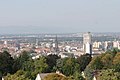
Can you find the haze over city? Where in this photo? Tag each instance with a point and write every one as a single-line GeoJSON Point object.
{"type": "Point", "coordinates": [59, 16]}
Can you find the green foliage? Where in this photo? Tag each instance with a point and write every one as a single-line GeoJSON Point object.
{"type": "Point", "coordinates": [25, 56]}
{"type": "Point", "coordinates": [88, 73]}
{"type": "Point", "coordinates": [19, 75]}
{"type": "Point", "coordinates": [68, 66]}
{"type": "Point", "coordinates": [41, 65]}
{"type": "Point", "coordinates": [107, 60]}
{"type": "Point", "coordinates": [51, 61]}
{"type": "Point", "coordinates": [115, 50]}
{"type": "Point", "coordinates": [20, 61]}
{"type": "Point", "coordinates": [28, 66]}
{"type": "Point", "coordinates": [6, 62]}
{"type": "Point", "coordinates": [31, 67]}
{"type": "Point", "coordinates": [24, 68]}
{"type": "Point", "coordinates": [108, 74]}
{"type": "Point", "coordinates": [77, 76]}
{"type": "Point", "coordinates": [96, 63]}
{"type": "Point", "coordinates": [35, 67]}
{"type": "Point", "coordinates": [83, 61]}
{"type": "Point", "coordinates": [116, 67]}
{"type": "Point", "coordinates": [116, 59]}
{"type": "Point", "coordinates": [116, 62]}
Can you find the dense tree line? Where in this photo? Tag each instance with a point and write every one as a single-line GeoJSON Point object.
{"type": "Point", "coordinates": [105, 66]}
{"type": "Point", "coordinates": [25, 68]}
{"type": "Point", "coordinates": [6, 63]}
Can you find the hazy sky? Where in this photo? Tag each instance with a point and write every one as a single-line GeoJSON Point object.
{"type": "Point", "coordinates": [59, 16]}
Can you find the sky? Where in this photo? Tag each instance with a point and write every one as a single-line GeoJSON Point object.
{"type": "Point", "coordinates": [59, 16]}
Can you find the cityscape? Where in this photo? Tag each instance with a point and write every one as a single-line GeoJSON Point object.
{"type": "Point", "coordinates": [59, 40]}
{"type": "Point", "coordinates": [75, 44]}
{"type": "Point", "coordinates": [62, 45]}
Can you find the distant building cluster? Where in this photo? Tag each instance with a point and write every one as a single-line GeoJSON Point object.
{"type": "Point", "coordinates": [54, 45]}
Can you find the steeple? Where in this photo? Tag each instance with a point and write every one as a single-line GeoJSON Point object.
{"type": "Point", "coordinates": [56, 45]}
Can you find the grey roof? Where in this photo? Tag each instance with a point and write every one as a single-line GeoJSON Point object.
{"type": "Point", "coordinates": [43, 75]}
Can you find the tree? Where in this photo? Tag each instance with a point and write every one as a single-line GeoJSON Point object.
{"type": "Point", "coordinates": [35, 67]}
{"type": "Point", "coordinates": [115, 50]}
{"type": "Point", "coordinates": [107, 60]}
{"type": "Point", "coordinates": [6, 62]}
{"type": "Point", "coordinates": [88, 73]}
{"type": "Point", "coordinates": [31, 67]}
{"type": "Point", "coordinates": [28, 66]}
{"type": "Point", "coordinates": [68, 66]}
{"type": "Point", "coordinates": [51, 61]}
{"type": "Point", "coordinates": [108, 74]}
{"type": "Point", "coordinates": [93, 66]}
{"type": "Point", "coordinates": [20, 61]}
{"type": "Point", "coordinates": [77, 76]}
{"type": "Point", "coordinates": [96, 63]}
{"type": "Point", "coordinates": [116, 67]}
{"type": "Point", "coordinates": [19, 75]}
{"type": "Point", "coordinates": [40, 65]}
{"type": "Point", "coordinates": [83, 61]}
{"type": "Point", "coordinates": [116, 59]}
{"type": "Point", "coordinates": [116, 62]}
{"type": "Point", "coordinates": [110, 61]}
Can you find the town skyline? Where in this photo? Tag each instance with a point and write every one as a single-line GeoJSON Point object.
{"type": "Point", "coordinates": [59, 40]}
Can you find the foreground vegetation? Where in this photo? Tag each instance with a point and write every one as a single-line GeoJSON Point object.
{"type": "Point", "coordinates": [103, 67]}
{"type": "Point", "coordinates": [25, 68]}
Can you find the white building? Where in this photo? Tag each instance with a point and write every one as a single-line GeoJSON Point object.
{"type": "Point", "coordinates": [87, 43]}
{"type": "Point", "coordinates": [88, 48]}
{"type": "Point", "coordinates": [108, 45]}
{"type": "Point", "coordinates": [38, 77]}
{"type": "Point", "coordinates": [115, 44]}
{"type": "Point", "coordinates": [97, 44]}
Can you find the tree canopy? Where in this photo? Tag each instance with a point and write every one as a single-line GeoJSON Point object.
{"type": "Point", "coordinates": [6, 63]}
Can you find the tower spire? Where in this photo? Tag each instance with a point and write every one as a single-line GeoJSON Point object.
{"type": "Point", "coordinates": [56, 44]}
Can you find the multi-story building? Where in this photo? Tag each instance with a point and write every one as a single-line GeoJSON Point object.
{"type": "Point", "coordinates": [87, 43]}
{"type": "Point", "coordinates": [97, 44]}
{"type": "Point", "coordinates": [116, 44]}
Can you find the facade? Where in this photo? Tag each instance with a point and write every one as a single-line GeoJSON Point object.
{"type": "Point", "coordinates": [87, 43]}
{"type": "Point", "coordinates": [97, 45]}
{"type": "Point", "coordinates": [108, 45]}
{"type": "Point", "coordinates": [87, 38]}
{"type": "Point", "coordinates": [88, 48]}
{"type": "Point", "coordinates": [116, 44]}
